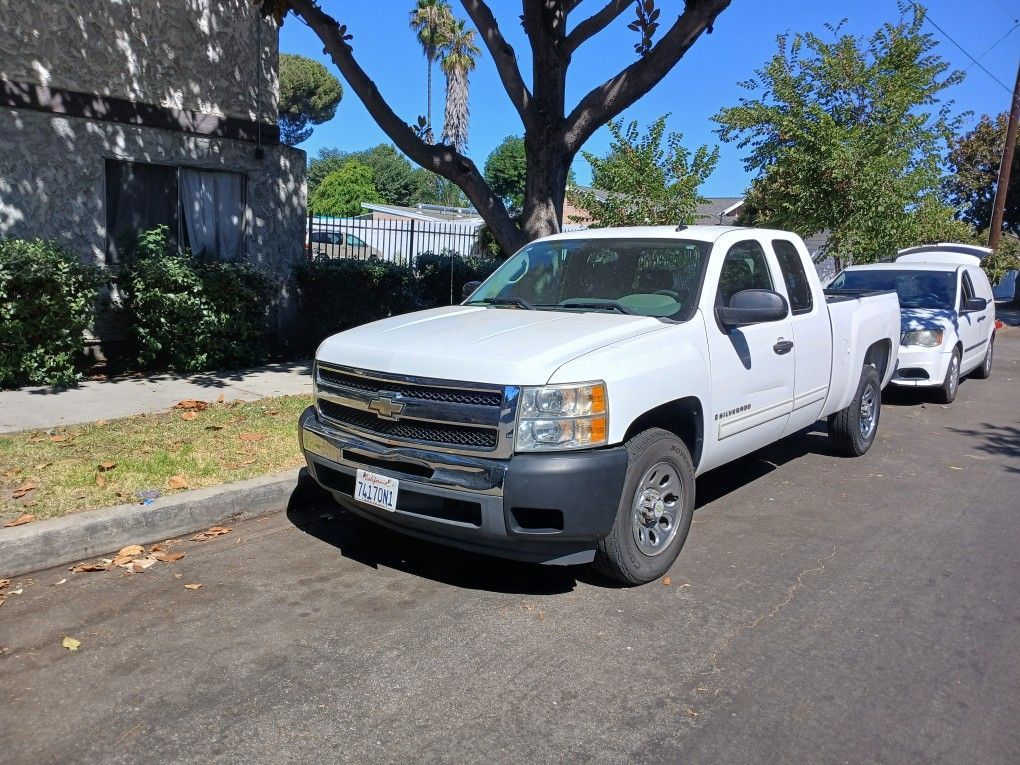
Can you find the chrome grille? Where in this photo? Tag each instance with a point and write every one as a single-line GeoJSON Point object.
{"type": "Point", "coordinates": [446, 415]}
{"type": "Point", "coordinates": [412, 430]}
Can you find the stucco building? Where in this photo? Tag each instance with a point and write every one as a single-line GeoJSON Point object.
{"type": "Point", "coordinates": [119, 115]}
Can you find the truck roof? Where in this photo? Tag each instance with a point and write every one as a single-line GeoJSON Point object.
{"type": "Point", "coordinates": [700, 233]}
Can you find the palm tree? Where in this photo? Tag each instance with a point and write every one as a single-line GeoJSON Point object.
{"type": "Point", "coordinates": [431, 20]}
{"type": "Point", "coordinates": [458, 60]}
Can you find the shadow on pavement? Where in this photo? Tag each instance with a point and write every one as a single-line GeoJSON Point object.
{"type": "Point", "coordinates": [995, 439]}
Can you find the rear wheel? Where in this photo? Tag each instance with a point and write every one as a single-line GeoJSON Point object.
{"type": "Point", "coordinates": [946, 393]}
{"type": "Point", "coordinates": [655, 510]}
{"type": "Point", "coordinates": [984, 371]}
{"type": "Point", "coordinates": [853, 429]}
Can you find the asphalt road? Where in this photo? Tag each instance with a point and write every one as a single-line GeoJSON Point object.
{"type": "Point", "coordinates": [823, 610]}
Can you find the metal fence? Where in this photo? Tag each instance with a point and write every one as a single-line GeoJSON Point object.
{"type": "Point", "coordinates": [395, 241]}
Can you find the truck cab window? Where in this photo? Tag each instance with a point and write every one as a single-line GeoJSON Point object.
{"type": "Point", "coordinates": [744, 268]}
{"type": "Point", "coordinates": [792, 268]}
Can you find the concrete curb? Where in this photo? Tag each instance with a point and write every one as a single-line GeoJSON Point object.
{"type": "Point", "coordinates": [41, 545]}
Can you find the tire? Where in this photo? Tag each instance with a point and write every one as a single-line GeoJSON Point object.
{"type": "Point", "coordinates": [984, 371]}
{"type": "Point", "coordinates": [853, 429]}
{"type": "Point", "coordinates": [946, 393]}
{"type": "Point", "coordinates": [641, 547]}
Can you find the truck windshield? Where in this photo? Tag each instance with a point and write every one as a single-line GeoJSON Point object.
{"type": "Point", "coordinates": [647, 277]}
{"type": "Point", "coordinates": [916, 289]}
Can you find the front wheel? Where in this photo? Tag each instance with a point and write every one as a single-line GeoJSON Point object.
{"type": "Point", "coordinates": [853, 429]}
{"type": "Point", "coordinates": [655, 510]}
{"type": "Point", "coordinates": [946, 392]}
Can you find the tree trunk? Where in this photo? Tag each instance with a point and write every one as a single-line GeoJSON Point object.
{"type": "Point", "coordinates": [546, 185]}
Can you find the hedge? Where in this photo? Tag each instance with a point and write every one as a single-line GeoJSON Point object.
{"type": "Point", "coordinates": [47, 301]}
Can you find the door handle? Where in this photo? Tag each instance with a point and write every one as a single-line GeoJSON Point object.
{"type": "Point", "coordinates": [982, 318]}
{"type": "Point", "coordinates": [783, 346]}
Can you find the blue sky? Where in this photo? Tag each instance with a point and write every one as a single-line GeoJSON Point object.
{"type": "Point", "coordinates": [705, 80]}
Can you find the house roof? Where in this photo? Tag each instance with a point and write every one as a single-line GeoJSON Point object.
{"type": "Point", "coordinates": [427, 212]}
{"type": "Point", "coordinates": [713, 210]}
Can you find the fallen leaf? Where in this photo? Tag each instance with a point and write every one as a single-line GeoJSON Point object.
{"type": "Point", "coordinates": [158, 547]}
{"type": "Point", "coordinates": [250, 461]}
{"type": "Point", "coordinates": [220, 399]}
{"type": "Point", "coordinates": [177, 482]}
{"type": "Point", "coordinates": [192, 586]}
{"type": "Point", "coordinates": [10, 473]}
{"type": "Point", "coordinates": [43, 465]}
{"type": "Point", "coordinates": [4, 583]}
{"type": "Point", "coordinates": [122, 560]}
{"type": "Point", "coordinates": [273, 413]}
{"type": "Point", "coordinates": [100, 480]}
{"type": "Point", "coordinates": [953, 467]}
{"type": "Point", "coordinates": [82, 568]}
{"type": "Point", "coordinates": [252, 436]}
{"type": "Point", "coordinates": [192, 403]}
{"type": "Point", "coordinates": [215, 531]}
{"type": "Point", "coordinates": [104, 466]}
{"type": "Point", "coordinates": [60, 582]}
{"type": "Point", "coordinates": [214, 427]}
{"type": "Point", "coordinates": [21, 520]}
{"type": "Point", "coordinates": [691, 712]}
{"type": "Point", "coordinates": [166, 557]}
{"type": "Point", "coordinates": [188, 416]}
{"type": "Point", "coordinates": [71, 644]}
{"type": "Point", "coordinates": [24, 489]}
{"type": "Point", "coordinates": [140, 564]}
{"type": "Point", "coordinates": [666, 581]}
{"type": "Point", "coordinates": [132, 550]}
{"type": "Point", "coordinates": [100, 423]}
{"type": "Point", "coordinates": [58, 439]}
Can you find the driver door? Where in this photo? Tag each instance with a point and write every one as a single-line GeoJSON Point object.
{"type": "Point", "coordinates": [752, 366]}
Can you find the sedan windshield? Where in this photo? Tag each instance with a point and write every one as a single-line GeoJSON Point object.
{"type": "Point", "coordinates": [648, 277]}
{"type": "Point", "coordinates": [916, 289]}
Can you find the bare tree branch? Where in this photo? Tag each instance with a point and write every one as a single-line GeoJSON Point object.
{"type": "Point", "coordinates": [503, 56]}
{"type": "Point", "coordinates": [592, 25]}
{"type": "Point", "coordinates": [609, 99]}
{"type": "Point", "coordinates": [441, 159]}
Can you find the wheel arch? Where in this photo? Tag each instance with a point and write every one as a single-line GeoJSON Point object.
{"type": "Point", "coordinates": [683, 417]}
{"type": "Point", "coordinates": [879, 355]}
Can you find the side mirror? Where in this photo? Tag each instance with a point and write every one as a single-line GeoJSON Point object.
{"type": "Point", "coordinates": [975, 304]}
{"type": "Point", "coordinates": [752, 307]}
{"type": "Point", "coordinates": [468, 289]}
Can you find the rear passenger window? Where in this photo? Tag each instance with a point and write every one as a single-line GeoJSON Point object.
{"type": "Point", "coordinates": [792, 267]}
{"type": "Point", "coordinates": [744, 268]}
{"type": "Point", "coordinates": [967, 291]}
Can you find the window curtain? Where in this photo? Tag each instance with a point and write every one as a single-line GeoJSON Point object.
{"type": "Point", "coordinates": [213, 206]}
{"type": "Point", "coordinates": [139, 197]}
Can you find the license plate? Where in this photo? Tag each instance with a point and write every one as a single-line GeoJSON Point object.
{"type": "Point", "coordinates": [377, 490]}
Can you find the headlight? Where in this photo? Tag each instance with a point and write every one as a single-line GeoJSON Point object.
{"type": "Point", "coordinates": [927, 338]}
{"type": "Point", "coordinates": [562, 417]}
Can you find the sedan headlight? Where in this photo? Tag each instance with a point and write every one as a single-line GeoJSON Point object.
{"type": "Point", "coordinates": [562, 417]}
{"type": "Point", "coordinates": [926, 338]}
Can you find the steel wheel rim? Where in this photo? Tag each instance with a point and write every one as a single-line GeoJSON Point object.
{"type": "Point", "coordinates": [988, 358]}
{"type": "Point", "coordinates": [656, 508]}
{"type": "Point", "coordinates": [954, 374]}
{"type": "Point", "coordinates": [869, 411]}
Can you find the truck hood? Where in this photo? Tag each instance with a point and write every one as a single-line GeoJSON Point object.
{"type": "Point", "coordinates": [506, 346]}
{"type": "Point", "coordinates": [927, 318]}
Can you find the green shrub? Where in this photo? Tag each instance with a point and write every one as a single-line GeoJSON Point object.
{"type": "Point", "coordinates": [433, 272]}
{"type": "Point", "coordinates": [1006, 258]}
{"type": "Point", "coordinates": [47, 301]}
{"type": "Point", "coordinates": [339, 294]}
{"type": "Point", "coordinates": [191, 315]}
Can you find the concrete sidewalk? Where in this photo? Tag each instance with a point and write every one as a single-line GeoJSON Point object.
{"type": "Point", "coordinates": [44, 407]}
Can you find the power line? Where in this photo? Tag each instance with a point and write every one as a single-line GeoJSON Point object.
{"type": "Point", "coordinates": [996, 43]}
{"type": "Point", "coordinates": [927, 17]}
{"type": "Point", "coordinates": [1010, 13]}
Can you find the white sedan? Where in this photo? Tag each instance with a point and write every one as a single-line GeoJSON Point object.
{"type": "Point", "coordinates": [947, 315]}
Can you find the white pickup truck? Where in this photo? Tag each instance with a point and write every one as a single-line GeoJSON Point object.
{"type": "Point", "coordinates": [562, 412]}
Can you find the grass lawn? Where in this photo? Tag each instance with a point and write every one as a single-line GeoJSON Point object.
{"type": "Point", "coordinates": [70, 469]}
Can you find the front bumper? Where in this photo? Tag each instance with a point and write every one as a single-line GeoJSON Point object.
{"type": "Point", "coordinates": [920, 367]}
{"type": "Point", "coordinates": [544, 508]}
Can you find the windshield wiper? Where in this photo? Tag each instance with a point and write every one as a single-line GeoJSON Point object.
{"type": "Point", "coordinates": [610, 304]}
{"type": "Point", "coordinates": [514, 301]}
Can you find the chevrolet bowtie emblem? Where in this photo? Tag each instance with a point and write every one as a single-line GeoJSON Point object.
{"type": "Point", "coordinates": [385, 407]}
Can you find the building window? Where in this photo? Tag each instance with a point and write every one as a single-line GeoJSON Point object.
{"type": "Point", "coordinates": [204, 210]}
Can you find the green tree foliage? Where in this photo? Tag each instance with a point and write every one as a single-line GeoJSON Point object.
{"type": "Point", "coordinates": [846, 135]}
{"type": "Point", "coordinates": [396, 180]}
{"type": "Point", "coordinates": [458, 61]}
{"type": "Point", "coordinates": [432, 23]}
{"type": "Point", "coordinates": [342, 191]}
{"type": "Point", "coordinates": [309, 95]}
{"type": "Point", "coordinates": [651, 178]}
{"type": "Point", "coordinates": [47, 301]}
{"type": "Point", "coordinates": [974, 171]}
{"type": "Point", "coordinates": [506, 171]}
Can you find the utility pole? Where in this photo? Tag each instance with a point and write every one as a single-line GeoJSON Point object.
{"type": "Point", "coordinates": [1005, 166]}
